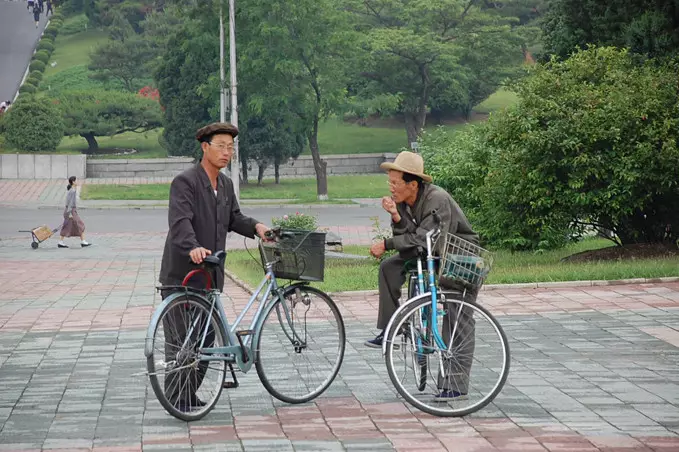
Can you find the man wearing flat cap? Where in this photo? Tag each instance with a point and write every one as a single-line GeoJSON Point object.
{"type": "Point", "coordinates": [203, 208]}
{"type": "Point", "coordinates": [411, 205]}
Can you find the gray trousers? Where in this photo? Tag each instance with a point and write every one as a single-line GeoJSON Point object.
{"type": "Point", "coordinates": [390, 280]}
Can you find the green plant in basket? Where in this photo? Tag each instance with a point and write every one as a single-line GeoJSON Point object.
{"type": "Point", "coordinates": [297, 221]}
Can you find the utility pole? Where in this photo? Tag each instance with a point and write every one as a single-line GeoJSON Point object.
{"type": "Point", "coordinates": [235, 163]}
{"type": "Point", "coordinates": [222, 82]}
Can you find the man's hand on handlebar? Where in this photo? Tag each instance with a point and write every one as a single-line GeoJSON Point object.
{"type": "Point", "coordinates": [264, 232]}
{"type": "Point", "coordinates": [198, 254]}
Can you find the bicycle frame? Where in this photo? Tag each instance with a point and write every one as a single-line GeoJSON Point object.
{"type": "Point", "coordinates": [233, 348]}
{"type": "Point", "coordinates": [433, 293]}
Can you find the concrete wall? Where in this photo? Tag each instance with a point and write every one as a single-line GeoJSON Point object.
{"type": "Point", "coordinates": [302, 167]}
{"type": "Point", "coordinates": [42, 166]}
{"type": "Point", "coordinates": [45, 166]}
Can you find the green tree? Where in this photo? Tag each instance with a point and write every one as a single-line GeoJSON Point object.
{"type": "Point", "coordinates": [183, 79]}
{"type": "Point", "coordinates": [269, 141]}
{"type": "Point", "coordinates": [648, 27]}
{"type": "Point", "coordinates": [592, 143]}
{"type": "Point", "coordinates": [442, 52]}
{"type": "Point", "coordinates": [33, 125]}
{"type": "Point", "coordinates": [92, 114]}
{"type": "Point", "coordinates": [125, 61]}
{"type": "Point", "coordinates": [299, 52]}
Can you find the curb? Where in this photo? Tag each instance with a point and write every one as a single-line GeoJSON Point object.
{"type": "Point", "coordinates": [492, 287]}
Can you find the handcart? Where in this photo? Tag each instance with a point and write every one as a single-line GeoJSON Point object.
{"type": "Point", "coordinates": [40, 234]}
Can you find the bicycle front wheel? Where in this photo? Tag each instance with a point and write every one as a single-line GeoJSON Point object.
{"type": "Point", "coordinates": [301, 345]}
{"type": "Point", "coordinates": [186, 386]}
{"type": "Point", "coordinates": [464, 373]}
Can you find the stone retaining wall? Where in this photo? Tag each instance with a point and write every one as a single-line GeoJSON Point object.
{"type": "Point", "coordinates": [302, 167]}
{"type": "Point", "coordinates": [46, 166]}
{"type": "Point", "coordinates": [42, 166]}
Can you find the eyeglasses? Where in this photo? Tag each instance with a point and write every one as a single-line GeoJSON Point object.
{"type": "Point", "coordinates": [222, 147]}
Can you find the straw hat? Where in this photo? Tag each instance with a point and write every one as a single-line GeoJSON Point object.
{"type": "Point", "coordinates": [408, 162]}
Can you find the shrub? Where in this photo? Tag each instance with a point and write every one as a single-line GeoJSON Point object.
{"type": "Point", "coordinates": [50, 33]}
{"type": "Point", "coordinates": [36, 66]}
{"type": "Point", "coordinates": [32, 81]}
{"type": "Point", "coordinates": [45, 45]}
{"type": "Point", "coordinates": [34, 125]}
{"type": "Point", "coordinates": [47, 38]}
{"type": "Point", "coordinates": [593, 142]}
{"type": "Point", "coordinates": [42, 55]}
{"type": "Point", "coordinates": [296, 221]}
{"type": "Point", "coordinates": [77, 78]}
{"type": "Point", "coordinates": [28, 88]}
{"type": "Point", "coordinates": [36, 75]}
{"type": "Point", "coordinates": [74, 25]}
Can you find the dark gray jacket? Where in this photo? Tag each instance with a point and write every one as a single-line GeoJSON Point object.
{"type": "Point", "coordinates": [198, 218]}
{"type": "Point", "coordinates": [410, 232]}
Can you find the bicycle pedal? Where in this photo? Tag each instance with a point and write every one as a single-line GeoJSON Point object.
{"type": "Point", "coordinates": [242, 333]}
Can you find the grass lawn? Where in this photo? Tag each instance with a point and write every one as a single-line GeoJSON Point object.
{"type": "Point", "coordinates": [74, 50]}
{"type": "Point", "coordinates": [146, 144]}
{"type": "Point", "coordinates": [524, 267]}
{"type": "Point", "coordinates": [497, 101]}
{"type": "Point", "coordinates": [304, 190]}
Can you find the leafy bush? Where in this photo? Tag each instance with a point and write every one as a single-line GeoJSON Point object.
{"type": "Point", "coordinates": [36, 66]}
{"type": "Point", "coordinates": [296, 221]}
{"type": "Point", "coordinates": [591, 143]}
{"type": "Point", "coordinates": [28, 88]}
{"type": "Point", "coordinates": [46, 45]}
{"type": "Point", "coordinates": [32, 81]}
{"type": "Point", "coordinates": [74, 25]}
{"type": "Point", "coordinates": [48, 38]}
{"type": "Point", "coordinates": [50, 33]}
{"type": "Point", "coordinates": [36, 75]}
{"type": "Point", "coordinates": [42, 55]}
{"type": "Point", "coordinates": [33, 125]}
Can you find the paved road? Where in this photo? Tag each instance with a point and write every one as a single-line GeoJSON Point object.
{"type": "Point", "coordinates": [155, 220]}
{"type": "Point", "coordinates": [18, 37]}
{"type": "Point", "coordinates": [593, 369]}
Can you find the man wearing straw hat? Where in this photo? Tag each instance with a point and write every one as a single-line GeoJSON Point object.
{"type": "Point", "coordinates": [411, 205]}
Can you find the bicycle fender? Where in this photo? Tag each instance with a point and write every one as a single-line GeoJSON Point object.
{"type": "Point", "coordinates": [155, 318]}
{"type": "Point", "coordinates": [398, 311]}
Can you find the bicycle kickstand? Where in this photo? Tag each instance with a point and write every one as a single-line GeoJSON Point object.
{"type": "Point", "coordinates": [231, 384]}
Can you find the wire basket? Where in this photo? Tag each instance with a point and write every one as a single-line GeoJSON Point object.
{"type": "Point", "coordinates": [297, 254]}
{"type": "Point", "coordinates": [463, 263]}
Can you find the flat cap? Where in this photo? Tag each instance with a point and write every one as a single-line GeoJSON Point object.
{"type": "Point", "coordinates": [215, 128]}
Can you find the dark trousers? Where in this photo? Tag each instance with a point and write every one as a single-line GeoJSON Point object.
{"type": "Point", "coordinates": [390, 280]}
{"type": "Point", "coordinates": [182, 385]}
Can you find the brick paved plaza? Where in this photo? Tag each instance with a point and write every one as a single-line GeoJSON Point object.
{"type": "Point", "coordinates": [593, 368]}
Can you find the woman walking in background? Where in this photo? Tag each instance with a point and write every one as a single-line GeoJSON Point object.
{"type": "Point", "coordinates": [73, 225]}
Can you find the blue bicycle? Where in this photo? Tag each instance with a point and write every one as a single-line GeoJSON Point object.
{"type": "Point", "coordinates": [446, 354]}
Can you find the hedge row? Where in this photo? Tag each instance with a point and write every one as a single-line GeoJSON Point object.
{"type": "Point", "coordinates": [42, 55]}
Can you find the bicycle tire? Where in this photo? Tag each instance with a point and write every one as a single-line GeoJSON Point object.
{"type": "Point", "coordinates": [435, 407]}
{"type": "Point", "coordinates": [275, 329]}
{"type": "Point", "coordinates": [186, 303]}
{"type": "Point", "coordinates": [413, 291]}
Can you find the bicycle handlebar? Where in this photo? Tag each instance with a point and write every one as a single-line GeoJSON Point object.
{"type": "Point", "coordinates": [276, 232]}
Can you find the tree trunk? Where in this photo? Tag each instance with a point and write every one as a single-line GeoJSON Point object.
{"type": "Point", "coordinates": [92, 145]}
{"type": "Point", "coordinates": [244, 165]}
{"type": "Point", "coordinates": [320, 166]}
{"type": "Point", "coordinates": [276, 171]}
{"type": "Point", "coordinates": [260, 173]}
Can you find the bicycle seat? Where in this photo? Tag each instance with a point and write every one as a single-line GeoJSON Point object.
{"type": "Point", "coordinates": [215, 259]}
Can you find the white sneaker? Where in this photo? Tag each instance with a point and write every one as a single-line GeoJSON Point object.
{"type": "Point", "coordinates": [61, 245]}
{"type": "Point", "coordinates": [84, 243]}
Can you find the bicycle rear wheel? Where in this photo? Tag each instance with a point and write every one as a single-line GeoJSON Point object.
{"type": "Point", "coordinates": [185, 386]}
{"type": "Point", "coordinates": [301, 345]}
{"type": "Point", "coordinates": [469, 371]}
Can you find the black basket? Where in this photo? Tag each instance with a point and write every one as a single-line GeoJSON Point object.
{"type": "Point", "coordinates": [300, 255]}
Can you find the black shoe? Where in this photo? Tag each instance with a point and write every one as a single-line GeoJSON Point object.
{"type": "Point", "coordinates": [59, 245]}
{"type": "Point", "coordinates": [377, 342]}
{"type": "Point", "coordinates": [85, 244]}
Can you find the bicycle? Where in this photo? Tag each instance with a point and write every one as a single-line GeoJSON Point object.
{"type": "Point", "coordinates": [440, 334]}
{"type": "Point", "coordinates": [190, 343]}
